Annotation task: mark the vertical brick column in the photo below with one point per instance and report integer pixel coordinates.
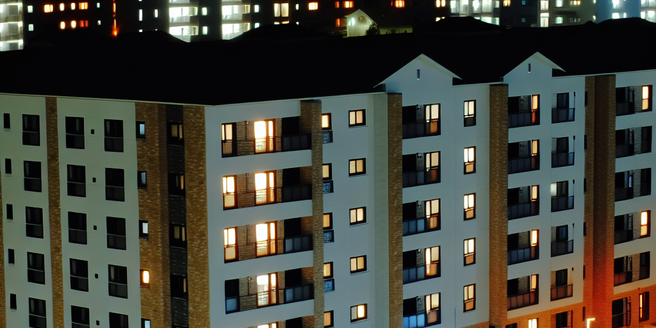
(600, 207)
(153, 207)
(395, 207)
(310, 122)
(198, 271)
(498, 204)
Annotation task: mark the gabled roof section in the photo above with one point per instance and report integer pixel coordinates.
(546, 61)
(426, 61)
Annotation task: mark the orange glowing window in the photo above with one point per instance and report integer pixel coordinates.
(62, 7)
(62, 25)
(83, 5)
(506, 3)
(338, 22)
(313, 5)
(73, 24)
(440, 3)
(348, 4)
(399, 3)
(48, 8)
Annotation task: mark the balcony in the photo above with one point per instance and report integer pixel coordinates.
(272, 297)
(416, 178)
(423, 319)
(622, 278)
(422, 224)
(562, 247)
(559, 292)
(516, 211)
(562, 203)
(419, 273)
(522, 300)
(622, 236)
(421, 129)
(562, 159)
(559, 115)
(523, 254)
(523, 119)
(523, 164)
(299, 293)
(298, 244)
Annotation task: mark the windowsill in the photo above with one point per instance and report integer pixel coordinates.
(358, 223)
(359, 272)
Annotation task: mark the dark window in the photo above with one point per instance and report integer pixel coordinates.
(114, 135)
(6, 121)
(114, 184)
(31, 134)
(644, 265)
(32, 174)
(79, 317)
(232, 295)
(8, 165)
(118, 283)
(117, 320)
(77, 181)
(10, 256)
(77, 228)
(34, 222)
(561, 277)
(10, 212)
(75, 132)
(12, 302)
(116, 233)
(79, 275)
(176, 135)
(564, 319)
(37, 313)
(141, 179)
(141, 129)
(562, 100)
(178, 286)
(36, 268)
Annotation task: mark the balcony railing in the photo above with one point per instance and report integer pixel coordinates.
(522, 300)
(293, 193)
(298, 244)
(422, 224)
(622, 278)
(562, 203)
(299, 293)
(622, 193)
(296, 142)
(423, 319)
(523, 164)
(561, 292)
(625, 108)
(523, 119)
(419, 273)
(523, 210)
(624, 150)
(622, 236)
(421, 129)
(562, 247)
(562, 159)
(523, 254)
(559, 115)
(416, 178)
(328, 236)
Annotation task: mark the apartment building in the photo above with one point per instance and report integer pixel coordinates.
(425, 191)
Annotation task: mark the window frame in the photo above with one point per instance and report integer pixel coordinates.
(266, 195)
(331, 318)
(114, 135)
(141, 130)
(175, 135)
(228, 245)
(79, 275)
(469, 206)
(230, 183)
(469, 160)
(469, 113)
(76, 181)
(32, 176)
(358, 264)
(469, 297)
(80, 316)
(75, 231)
(432, 265)
(357, 117)
(117, 277)
(143, 229)
(116, 233)
(266, 143)
(31, 130)
(74, 132)
(37, 313)
(228, 140)
(645, 224)
(355, 316)
(36, 272)
(358, 215)
(469, 251)
(34, 222)
(268, 245)
(353, 166)
(114, 184)
(123, 320)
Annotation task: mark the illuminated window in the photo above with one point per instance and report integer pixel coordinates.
(432, 209)
(358, 263)
(140, 15)
(643, 310)
(313, 6)
(268, 325)
(469, 300)
(265, 188)
(470, 160)
(432, 261)
(205, 30)
(358, 312)
(73, 24)
(533, 323)
(228, 144)
(399, 3)
(229, 195)
(326, 123)
(328, 221)
(328, 270)
(267, 289)
(62, 7)
(30, 8)
(336, 4)
(358, 215)
(440, 3)
(470, 112)
(62, 25)
(281, 9)
(230, 243)
(145, 278)
(264, 136)
(534, 238)
(73, 6)
(470, 251)
(48, 8)
(348, 4)
(646, 97)
(356, 117)
(84, 5)
(506, 3)
(575, 3)
(30, 27)
(357, 166)
(328, 319)
(338, 22)
(644, 223)
(265, 238)
(470, 206)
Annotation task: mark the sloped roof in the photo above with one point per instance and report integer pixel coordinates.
(304, 64)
